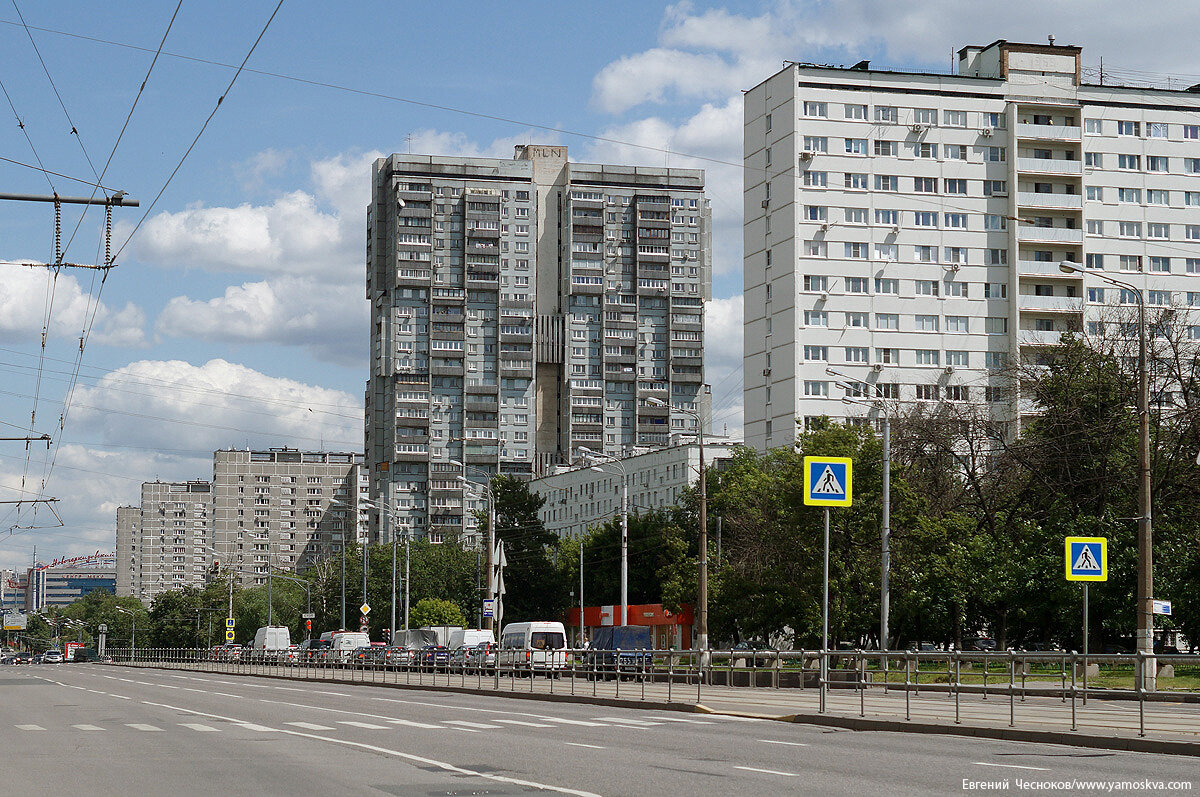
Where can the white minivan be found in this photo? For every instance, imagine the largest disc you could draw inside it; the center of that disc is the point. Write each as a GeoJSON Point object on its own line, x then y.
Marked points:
{"type": "Point", "coordinates": [469, 637]}
{"type": "Point", "coordinates": [533, 646]}
{"type": "Point", "coordinates": [343, 643]}
{"type": "Point", "coordinates": [272, 639]}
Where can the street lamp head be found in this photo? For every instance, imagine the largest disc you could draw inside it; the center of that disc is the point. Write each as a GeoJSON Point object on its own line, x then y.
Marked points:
{"type": "Point", "coordinates": [456, 463]}
{"type": "Point", "coordinates": [1067, 267]}
{"type": "Point", "coordinates": [655, 402]}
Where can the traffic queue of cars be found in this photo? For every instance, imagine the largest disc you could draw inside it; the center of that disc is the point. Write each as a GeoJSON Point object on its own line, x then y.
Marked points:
{"type": "Point", "coordinates": [52, 656]}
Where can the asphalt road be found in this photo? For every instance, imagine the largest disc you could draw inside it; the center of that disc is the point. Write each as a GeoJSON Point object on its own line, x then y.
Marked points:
{"type": "Point", "coordinates": [97, 730]}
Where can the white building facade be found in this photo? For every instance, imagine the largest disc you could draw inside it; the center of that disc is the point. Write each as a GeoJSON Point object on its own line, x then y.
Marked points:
{"type": "Point", "coordinates": [174, 532]}
{"type": "Point", "coordinates": [580, 498]}
{"type": "Point", "coordinates": [905, 229]}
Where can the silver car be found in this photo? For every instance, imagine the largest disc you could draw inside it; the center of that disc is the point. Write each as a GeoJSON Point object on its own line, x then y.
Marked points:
{"type": "Point", "coordinates": [52, 657]}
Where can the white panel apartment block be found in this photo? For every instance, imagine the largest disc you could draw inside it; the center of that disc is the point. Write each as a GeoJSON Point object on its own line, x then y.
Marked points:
{"type": "Point", "coordinates": [174, 534]}
{"type": "Point", "coordinates": [283, 507]}
{"type": "Point", "coordinates": [579, 499]}
{"type": "Point", "coordinates": [905, 229]}
{"type": "Point", "coordinates": [129, 521]}
{"type": "Point", "coordinates": [521, 309]}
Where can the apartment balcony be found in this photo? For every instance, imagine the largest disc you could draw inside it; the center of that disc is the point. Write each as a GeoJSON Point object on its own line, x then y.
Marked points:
{"type": "Point", "coordinates": [1054, 304]}
{"type": "Point", "coordinates": [1059, 201]}
{"type": "Point", "coordinates": [1057, 235]}
{"type": "Point", "coordinates": [446, 370]}
{"type": "Point", "coordinates": [475, 404]}
{"type": "Point", "coordinates": [1041, 268]}
{"type": "Point", "coordinates": [694, 376]}
{"type": "Point", "coordinates": [1050, 166]}
{"type": "Point", "coordinates": [412, 276]}
{"type": "Point", "coordinates": [1039, 337]}
{"type": "Point", "coordinates": [1048, 132]}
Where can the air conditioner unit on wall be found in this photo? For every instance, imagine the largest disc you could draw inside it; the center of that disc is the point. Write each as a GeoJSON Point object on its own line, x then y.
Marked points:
{"type": "Point", "coordinates": [917, 128]}
{"type": "Point", "coordinates": [806, 155]}
{"type": "Point", "coordinates": [877, 367]}
{"type": "Point", "coordinates": [986, 131]}
{"type": "Point", "coordinates": [766, 372]}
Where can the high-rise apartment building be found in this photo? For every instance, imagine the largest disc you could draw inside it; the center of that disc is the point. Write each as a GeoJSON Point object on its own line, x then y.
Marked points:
{"type": "Point", "coordinates": [906, 229]}
{"type": "Point", "coordinates": [129, 524]}
{"type": "Point", "coordinates": [173, 537]}
{"type": "Point", "coordinates": [282, 508]}
{"type": "Point", "coordinates": [522, 309]}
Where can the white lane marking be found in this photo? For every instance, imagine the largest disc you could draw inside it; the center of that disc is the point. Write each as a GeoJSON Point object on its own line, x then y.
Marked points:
{"type": "Point", "coordinates": [141, 726]}
{"type": "Point", "coordinates": [465, 730]}
{"type": "Point", "coordinates": [733, 718]}
{"type": "Point", "coordinates": [789, 744]}
{"type": "Point", "coordinates": [119, 697]}
{"type": "Point", "coordinates": [411, 724]}
{"type": "Point", "coordinates": [573, 722]}
{"type": "Point", "coordinates": [184, 677]}
{"type": "Point", "coordinates": [110, 677]}
{"type": "Point", "coordinates": [680, 719]}
{"type": "Point", "coordinates": [291, 689]}
{"type": "Point", "coordinates": [250, 726]}
{"type": "Point", "coordinates": [196, 726]}
{"type": "Point", "coordinates": [309, 726]}
{"type": "Point", "coordinates": [626, 721]}
{"type": "Point", "coordinates": [30, 728]}
{"type": "Point", "coordinates": [465, 724]}
{"type": "Point", "coordinates": [369, 726]}
{"type": "Point", "coordinates": [398, 754]}
{"type": "Point", "coordinates": [168, 686]}
{"type": "Point", "coordinates": [225, 694]}
{"type": "Point", "coordinates": [581, 744]}
{"type": "Point", "coordinates": [335, 694]}
{"type": "Point", "coordinates": [1010, 766]}
{"type": "Point", "coordinates": [770, 772]}
{"type": "Point", "coordinates": [526, 724]}
{"type": "Point", "coordinates": [87, 727]}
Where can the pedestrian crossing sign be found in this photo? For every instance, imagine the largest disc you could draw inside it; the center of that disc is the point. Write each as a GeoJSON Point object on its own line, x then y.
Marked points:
{"type": "Point", "coordinates": [1087, 558]}
{"type": "Point", "coordinates": [827, 481]}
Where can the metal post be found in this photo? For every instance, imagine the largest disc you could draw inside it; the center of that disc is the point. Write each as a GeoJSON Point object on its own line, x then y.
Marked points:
{"type": "Point", "coordinates": [270, 604]}
{"type": "Point", "coordinates": [1145, 580]}
{"type": "Point", "coordinates": [365, 557]}
{"type": "Point", "coordinates": [1074, 666]}
{"type": "Point", "coordinates": [886, 534]}
{"type": "Point", "coordinates": [392, 613]}
{"type": "Point", "coordinates": [581, 625]}
{"type": "Point", "coordinates": [343, 625]}
{"type": "Point", "coordinates": [406, 569]}
{"type": "Point", "coordinates": [489, 622]}
{"type": "Point", "coordinates": [825, 590]}
{"type": "Point", "coordinates": [1085, 641]}
{"type": "Point", "coordinates": [624, 547]}
{"type": "Point", "coordinates": [702, 586]}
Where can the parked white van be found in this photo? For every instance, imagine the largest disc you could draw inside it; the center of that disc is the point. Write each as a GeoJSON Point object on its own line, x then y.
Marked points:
{"type": "Point", "coordinates": [272, 639]}
{"type": "Point", "coordinates": [533, 646]}
{"type": "Point", "coordinates": [342, 643]}
{"type": "Point", "coordinates": [469, 637]}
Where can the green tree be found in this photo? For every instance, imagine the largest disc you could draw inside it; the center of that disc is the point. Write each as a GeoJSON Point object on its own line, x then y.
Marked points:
{"type": "Point", "coordinates": [435, 611]}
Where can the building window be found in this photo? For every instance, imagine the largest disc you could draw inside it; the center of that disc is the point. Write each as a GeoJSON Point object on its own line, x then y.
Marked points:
{"type": "Point", "coordinates": [926, 287]}
{"type": "Point", "coordinates": [816, 318]}
{"type": "Point", "coordinates": [815, 109]}
{"type": "Point", "coordinates": [1094, 159]}
{"type": "Point", "coordinates": [856, 181]}
{"type": "Point", "coordinates": [926, 323]}
{"type": "Point", "coordinates": [1157, 129]}
{"type": "Point", "coordinates": [1129, 128]}
{"type": "Point", "coordinates": [1160, 264]}
{"type": "Point", "coordinates": [1157, 197]}
{"type": "Point", "coordinates": [1130, 229]}
{"type": "Point", "coordinates": [956, 220]}
{"type": "Point", "coordinates": [955, 118]}
{"type": "Point", "coordinates": [995, 325]}
{"type": "Point", "coordinates": [857, 320]}
{"type": "Point", "coordinates": [956, 393]}
{"type": "Point", "coordinates": [815, 179]}
{"type": "Point", "coordinates": [857, 285]}
{"type": "Point", "coordinates": [856, 215]}
{"type": "Point", "coordinates": [1095, 227]}
{"type": "Point", "coordinates": [816, 213]}
{"type": "Point", "coordinates": [816, 143]}
{"type": "Point", "coordinates": [887, 252]}
{"type": "Point", "coordinates": [856, 146]}
{"type": "Point", "coordinates": [994, 222]}
{"type": "Point", "coordinates": [997, 257]}
{"type": "Point", "coordinates": [957, 358]}
{"type": "Point", "coordinates": [1129, 195]}
{"type": "Point", "coordinates": [1129, 162]}
{"type": "Point", "coordinates": [1157, 163]}
{"type": "Point", "coordinates": [1095, 193]}
{"type": "Point", "coordinates": [957, 323]}
{"type": "Point", "coordinates": [995, 290]}
{"type": "Point", "coordinates": [887, 285]}
{"type": "Point", "coordinates": [892, 217]}
{"type": "Point", "coordinates": [995, 154]}
{"type": "Point", "coordinates": [955, 186]}
{"type": "Point", "coordinates": [887, 147]}
{"type": "Point", "coordinates": [927, 357]}
{"type": "Point", "coordinates": [925, 254]}
{"type": "Point", "coordinates": [887, 182]}
{"type": "Point", "coordinates": [1094, 261]}
{"type": "Point", "coordinates": [955, 152]}
{"type": "Point", "coordinates": [856, 354]}
{"type": "Point", "coordinates": [855, 250]}
{"type": "Point", "coordinates": [1158, 230]}
{"type": "Point", "coordinates": [926, 150]}
{"type": "Point", "coordinates": [925, 218]}
{"type": "Point", "coordinates": [1094, 126]}
{"type": "Point", "coordinates": [855, 111]}
{"type": "Point", "coordinates": [888, 356]}
{"type": "Point", "coordinates": [927, 392]}
{"type": "Point", "coordinates": [925, 116]}
{"type": "Point", "coordinates": [886, 113]}
{"type": "Point", "coordinates": [887, 321]}
{"type": "Point", "coordinates": [815, 388]}
{"type": "Point", "coordinates": [816, 352]}
{"type": "Point", "coordinates": [925, 185]}
{"type": "Point", "coordinates": [1131, 263]}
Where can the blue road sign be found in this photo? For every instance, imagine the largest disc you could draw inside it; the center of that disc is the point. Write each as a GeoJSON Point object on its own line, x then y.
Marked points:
{"type": "Point", "coordinates": [828, 481]}
{"type": "Point", "coordinates": [1087, 558]}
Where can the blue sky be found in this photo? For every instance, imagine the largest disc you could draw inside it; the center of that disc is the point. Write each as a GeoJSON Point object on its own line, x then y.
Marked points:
{"type": "Point", "coordinates": [236, 316]}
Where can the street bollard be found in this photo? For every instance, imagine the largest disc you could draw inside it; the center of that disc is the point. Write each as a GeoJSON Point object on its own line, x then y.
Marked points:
{"type": "Point", "coordinates": [862, 684]}
{"type": "Point", "coordinates": [1140, 682]}
{"type": "Point", "coordinates": [957, 684]}
{"type": "Point", "coordinates": [1074, 722]}
{"type": "Point", "coordinates": [1012, 685]}
{"type": "Point", "coordinates": [822, 672]}
{"type": "Point", "coordinates": [907, 689]}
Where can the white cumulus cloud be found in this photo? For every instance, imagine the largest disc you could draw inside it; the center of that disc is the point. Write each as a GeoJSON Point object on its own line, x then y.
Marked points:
{"type": "Point", "coordinates": [27, 294]}
{"type": "Point", "coordinates": [172, 405]}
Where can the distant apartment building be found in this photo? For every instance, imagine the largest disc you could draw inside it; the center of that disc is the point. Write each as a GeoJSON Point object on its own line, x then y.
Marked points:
{"type": "Point", "coordinates": [62, 586]}
{"type": "Point", "coordinates": [520, 309]}
{"type": "Point", "coordinates": [283, 508]}
{"type": "Point", "coordinates": [13, 585]}
{"type": "Point", "coordinates": [580, 498]}
{"type": "Point", "coordinates": [170, 549]}
{"type": "Point", "coordinates": [129, 523]}
{"type": "Point", "coordinates": [906, 229]}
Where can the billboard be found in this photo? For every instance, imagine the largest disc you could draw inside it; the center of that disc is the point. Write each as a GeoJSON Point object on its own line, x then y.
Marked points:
{"type": "Point", "coordinates": [15, 621]}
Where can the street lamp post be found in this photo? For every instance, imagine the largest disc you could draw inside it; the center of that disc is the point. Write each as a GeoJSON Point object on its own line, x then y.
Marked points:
{"type": "Point", "coordinates": [608, 459]}
{"type": "Point", "coordinates": [702, 580]}
{"type": "Point", "coordinates": [488, 622]}
{"type": "Point", "coordinates": [885, 556]}
{"type": "Point", "coordinates": [387, 508]}
{"type": "Point", "coordinates": [1145, 571]}
{"type": "Point", "coordinates": [133, 633]}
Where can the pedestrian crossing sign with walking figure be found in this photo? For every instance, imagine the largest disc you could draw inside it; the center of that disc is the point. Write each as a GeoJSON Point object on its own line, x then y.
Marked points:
{"type": "Point", "coordinates": [1087, 558]}
{"type": "Point", "coordinates": [828, 481]}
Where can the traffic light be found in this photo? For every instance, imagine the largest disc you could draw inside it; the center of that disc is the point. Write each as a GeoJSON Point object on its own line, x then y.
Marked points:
{"type": "Point", "coordinates": [308, 625]}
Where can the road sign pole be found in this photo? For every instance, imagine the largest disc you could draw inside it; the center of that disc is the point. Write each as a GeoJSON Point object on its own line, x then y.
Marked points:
{"type": "Point", "coordinates": [825, 590]}
{"type": "Point", "coordinates": [1085, 640]}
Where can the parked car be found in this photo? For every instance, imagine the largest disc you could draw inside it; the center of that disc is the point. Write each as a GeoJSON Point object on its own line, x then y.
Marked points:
{"type": "Point", "coordinates": [634, 643]}
{"type": "Point", "coordinates": [980, 643]}
{"type": "Point", "coordinates": [52, 657]}
{"type": "Point", "coordinates": [84, 655]}
{"type": "Point", "coordinates": [434, 657]}
{"type": "Point", "coordinates": [482, 656]}
{"type": "Point", "coordinates": [228, 652]}
{"type": "Point", "coordinates": [23, 657]}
